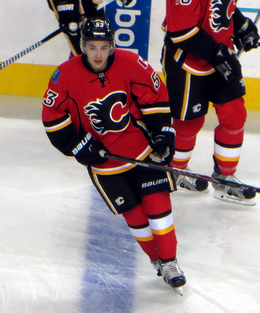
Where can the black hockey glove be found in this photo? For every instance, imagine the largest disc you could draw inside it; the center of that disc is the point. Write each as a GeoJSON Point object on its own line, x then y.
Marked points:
{"type": "Point", "coordinates": [69, 16]}
{"type": "Point", "coordinates": [86, 149]}
{"type": "Point", "coordinates": [226, 64]}
{"type": "Point", "coordinates": [163, 144]}
{"type": "Point", "coordinates": [247, 37]}
{"type": "Point", "coordinates": [126, 2]}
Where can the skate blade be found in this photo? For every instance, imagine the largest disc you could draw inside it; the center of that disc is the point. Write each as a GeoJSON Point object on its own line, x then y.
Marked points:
{"type": "Point", "coordinates": [218, 194]}
{"type": "Point", "coordinates": [179, 291]}
{"type": "Point", "coordinates": [197, 191]}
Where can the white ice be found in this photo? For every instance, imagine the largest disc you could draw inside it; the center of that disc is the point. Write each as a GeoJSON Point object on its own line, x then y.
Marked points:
{"type": "Point", "coordinates": [62, 251]}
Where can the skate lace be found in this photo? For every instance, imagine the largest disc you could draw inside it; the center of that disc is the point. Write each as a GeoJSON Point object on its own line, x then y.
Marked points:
{"type": "Point", "coordinates": [170, 271]}
{"type": "Point", "coordinates": [231, 178]}
{"type": "Point", "coordinates": [185, 181]}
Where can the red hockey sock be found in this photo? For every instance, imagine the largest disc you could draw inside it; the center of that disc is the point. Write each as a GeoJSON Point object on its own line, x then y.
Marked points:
{"type": "Point", "coordinates": [139, 226]}
{"type": "Point", "coordinates": [229, 135]}
{"type": "Point", "coordinates": [185, 140]}
{"type": "Point", "coordinates": [158, 209]}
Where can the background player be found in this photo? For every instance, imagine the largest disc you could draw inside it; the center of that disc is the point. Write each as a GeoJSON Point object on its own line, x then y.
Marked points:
{"type": "Point", "coordinates": [112, 100]}
{"type": "Point", "coordinates": [72, 14]}
{"type": "Point", "coordinates": [200, 66]}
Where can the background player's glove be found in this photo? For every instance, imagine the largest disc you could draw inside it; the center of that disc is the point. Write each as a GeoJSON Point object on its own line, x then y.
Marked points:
{"type": "Point", "coordinates": [86, 149]}
{"type": "Point", "coordinates": [226, 64]}
{"type": "Point", "coordinates": [69, 16]}
{"type": "Point", "coordinates": [247, 36]}
{"type": "Point", "coordinates": [126, 2]}
{"type": "Point", "coordinates": [163, 144]}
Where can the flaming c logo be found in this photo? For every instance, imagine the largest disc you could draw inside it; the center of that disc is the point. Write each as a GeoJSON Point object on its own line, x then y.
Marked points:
{"type": "Point", "coordinates": [109, 114]}
{"type": "Point", "coordinates": [221, 14]}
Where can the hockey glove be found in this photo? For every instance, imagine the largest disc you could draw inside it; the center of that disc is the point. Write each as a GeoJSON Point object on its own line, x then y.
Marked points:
{"type": "Point", "coordinates": [246, 38]}
{"type": "Point", "coordinates": [163, 144]}
{"type": "Point", "coordinates": [226, 64]}
{"type": "Point", "coordinates": [69, 16]}
{"type": "Point", "coordinates": [126, 2]}
{"type": "Point", "coordinates": [86, 149]}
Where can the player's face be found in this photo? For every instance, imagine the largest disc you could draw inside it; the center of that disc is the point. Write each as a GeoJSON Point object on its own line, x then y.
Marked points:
{"type": "Point", "coordinates": [97, 53]}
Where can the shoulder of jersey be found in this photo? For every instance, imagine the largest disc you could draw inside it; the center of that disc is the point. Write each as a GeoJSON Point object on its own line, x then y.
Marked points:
{"type": "Point", "coordinates": [125, 54]}
{"type": "Point", "coordinates": [71, 62]}
{"type": "Point", "coordinates": [66, 68]}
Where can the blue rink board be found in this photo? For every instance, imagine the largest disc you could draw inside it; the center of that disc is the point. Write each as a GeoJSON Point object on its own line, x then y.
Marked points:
{"type": "Point", "coordinates": [131, 25]}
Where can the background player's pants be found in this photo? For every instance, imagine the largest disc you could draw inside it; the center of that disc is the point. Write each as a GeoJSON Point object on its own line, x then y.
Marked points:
{"type": "Point", "coordinates": [228, 136]}
{"type": "Point", "coordinates": [151, 224]}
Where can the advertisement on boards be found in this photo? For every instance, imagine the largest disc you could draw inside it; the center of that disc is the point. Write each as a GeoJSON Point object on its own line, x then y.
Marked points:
{"type": "Point", "coordinates": [131, 25]}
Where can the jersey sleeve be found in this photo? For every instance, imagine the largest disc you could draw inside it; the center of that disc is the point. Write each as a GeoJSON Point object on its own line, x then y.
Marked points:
{"type": "Point", "coordinates": [184, 30]}
{"type": "Point", "coordinates": [150, 94]}
{"type": "Point", "coordinates": [49, 4]}
{"type": "Point", "coordinates": [55, 117]}
{"type": "Point", "coordinates": [90, 9]}
{"type": "Point", "coordinates": [67, 12]}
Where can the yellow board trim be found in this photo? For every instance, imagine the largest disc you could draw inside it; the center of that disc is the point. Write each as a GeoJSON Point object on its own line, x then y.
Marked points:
{"type": "Point", "coordinates": [32, 80]}
{"type": "Point", "coordinates": [25, 79]}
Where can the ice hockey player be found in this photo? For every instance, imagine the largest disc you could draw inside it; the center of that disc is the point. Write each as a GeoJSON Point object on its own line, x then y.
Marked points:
{"type": "Point", "coordinates": [112, 100]}
{"type": "Point", "coordinates": [72, 14]}
{"type": "Point", "coordinates": [200, 67]}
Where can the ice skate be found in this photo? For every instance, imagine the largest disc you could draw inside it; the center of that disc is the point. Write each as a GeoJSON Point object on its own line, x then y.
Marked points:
{"type": "Point", "coordinates": [190, 183]}
{"type": "Point", "coordinates": [173, 275]}
{"type": "Point", "coordinates": [156, 266]}
{"type": "Point", "coordinates": [239, 195]}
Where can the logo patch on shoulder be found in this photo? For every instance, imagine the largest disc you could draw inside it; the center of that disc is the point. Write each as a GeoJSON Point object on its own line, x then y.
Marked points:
{"type": "Point", "coordinates": [55, 76]}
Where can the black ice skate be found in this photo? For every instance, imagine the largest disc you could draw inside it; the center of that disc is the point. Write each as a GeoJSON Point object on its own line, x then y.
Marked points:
{"type": "Point", "coordinates": [156, 266]}
{"type": "Point", "coordinates": [190, 183]}
{"type": "Point", "coordinates": [173, 275]}
{"type": "Point", "coordinates": [239, 195]}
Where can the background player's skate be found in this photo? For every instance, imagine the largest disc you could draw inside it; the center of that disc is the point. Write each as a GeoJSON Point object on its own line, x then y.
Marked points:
{"type": "Point", "coordinates": [239, 195]}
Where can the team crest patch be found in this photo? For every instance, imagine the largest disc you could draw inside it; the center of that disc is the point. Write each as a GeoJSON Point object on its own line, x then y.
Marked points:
{"type": "Point", "coordinates": [221, 14]}
{"type": "Point", "coordinates": [55, 76]}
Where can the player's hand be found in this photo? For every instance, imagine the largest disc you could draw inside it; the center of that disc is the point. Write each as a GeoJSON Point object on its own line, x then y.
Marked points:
{"type": "Point", "coordinates": [226, 64]}
{"type": "Point", "coordinates": [247, 37]}
{"type": "Point", "coordinates": [163, 144]}
{"type": "Point", "coordinates": [126, 2]}
{"type": "Point", "coordinates": [85, 149]}
{"type": "Point", "coordinates": [69, 16]}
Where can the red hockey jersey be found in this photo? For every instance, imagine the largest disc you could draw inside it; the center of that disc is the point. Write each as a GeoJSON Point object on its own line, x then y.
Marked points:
{"type": "Point", "coordinates": [213, 16]}
{"type": "Point", "coordinates": [116, 106]}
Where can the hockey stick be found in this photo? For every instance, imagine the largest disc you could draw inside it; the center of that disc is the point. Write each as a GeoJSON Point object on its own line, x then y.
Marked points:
{"type": "Point", "coordinates": [31, 48]}
{"type": "Point", "coordinates": [175, 171]}
{"type": "Point", "coordinates": [39, 43]}
{"type": "Point", "coordinates": [257, 18]}
{"type": "Point", "coordinates": [103, 4]}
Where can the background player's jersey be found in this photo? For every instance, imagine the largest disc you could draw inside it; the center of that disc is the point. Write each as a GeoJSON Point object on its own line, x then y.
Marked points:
{"type": "Point", "coordinates": [75, 11]}
{"type": "Point", "coordinates": [183, 20]}
{"type": "Point", "coordinates": [116, 106]}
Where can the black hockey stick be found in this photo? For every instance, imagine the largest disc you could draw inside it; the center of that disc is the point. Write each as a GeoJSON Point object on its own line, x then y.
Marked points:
{"type": "Point", "coordinates": [31, 48]}
{"type": "Point", "coordinates": [104, 4]}
{"type": "Point", "coordinates": [175, 171]}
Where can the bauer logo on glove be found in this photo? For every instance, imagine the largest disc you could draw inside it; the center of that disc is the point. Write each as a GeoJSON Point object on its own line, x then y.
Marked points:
{"type": "Point", "coordinates": [86, 149]}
